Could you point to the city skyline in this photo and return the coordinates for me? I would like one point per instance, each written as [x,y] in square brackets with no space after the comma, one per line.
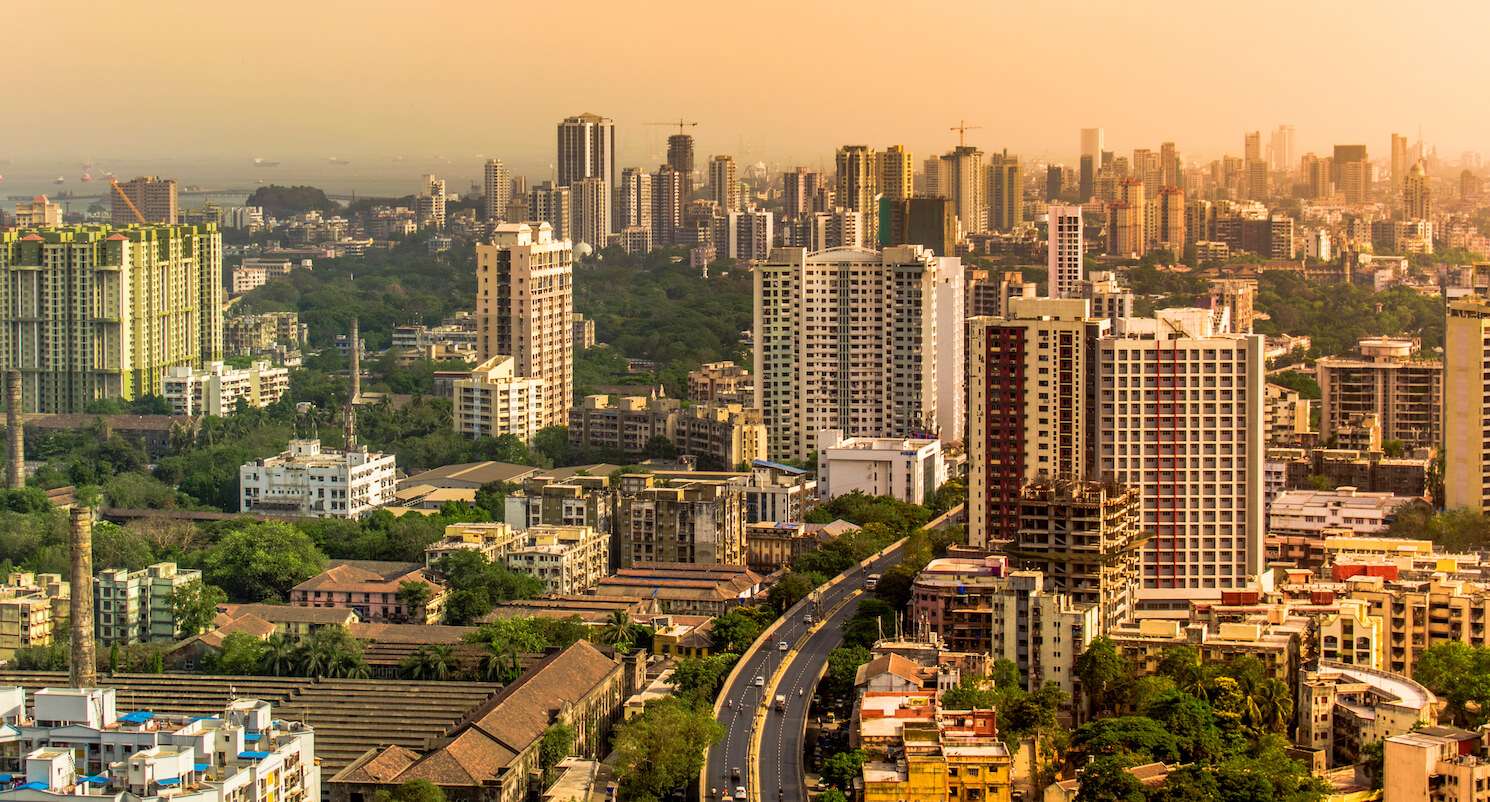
[438,70]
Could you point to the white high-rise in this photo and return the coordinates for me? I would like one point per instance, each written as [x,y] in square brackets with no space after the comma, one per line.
[849,339]
[1064,258]
[498,186]
[589,200]
[525,309]
[429,204]
[724,187]
[634,199]
[587,149]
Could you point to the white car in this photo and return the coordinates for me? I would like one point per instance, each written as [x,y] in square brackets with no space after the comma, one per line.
[781,646]
[739,792]
[760,682]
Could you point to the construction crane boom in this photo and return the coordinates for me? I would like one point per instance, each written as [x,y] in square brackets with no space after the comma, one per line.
[962,128]
[135,210]
[680,122]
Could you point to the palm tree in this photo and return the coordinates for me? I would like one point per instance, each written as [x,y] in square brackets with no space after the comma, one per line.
[1274,705]
[623,633]
[281,658]
[316,658]
[429,662]
[347,665]
[500,663]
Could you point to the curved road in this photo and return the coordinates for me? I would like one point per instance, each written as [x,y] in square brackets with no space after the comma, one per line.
[779,764]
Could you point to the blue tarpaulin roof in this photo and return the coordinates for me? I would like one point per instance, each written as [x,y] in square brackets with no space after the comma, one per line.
[168,781]
[137,717]
[253,755]
[95,779]
[250,736]
[33,787]
[201,766]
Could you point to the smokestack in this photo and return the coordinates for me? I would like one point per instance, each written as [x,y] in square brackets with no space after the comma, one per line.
[15,466]
[84,666]
[350,419]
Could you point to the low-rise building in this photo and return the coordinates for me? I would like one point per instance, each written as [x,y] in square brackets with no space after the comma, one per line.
[698,522]
[684,589]
[217,389]
[1276,645]
[1342,708]
[372,589]
[133,607]
[307,480]
[251,335]
[727,434]
[73,744]
[567,559]
[721,383]
[1310,512]
[1419,613]
[33,609]
[493,400]
[909,469]
[770,547]
[1435,764]
[492,540]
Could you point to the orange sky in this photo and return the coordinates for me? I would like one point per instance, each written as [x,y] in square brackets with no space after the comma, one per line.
[782,81]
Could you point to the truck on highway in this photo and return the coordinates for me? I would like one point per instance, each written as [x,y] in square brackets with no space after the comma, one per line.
[780,702]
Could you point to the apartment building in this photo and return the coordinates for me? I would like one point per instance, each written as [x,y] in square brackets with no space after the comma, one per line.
[33,609]
[146,199]
[1435,764]
[88,284]
[959,759]
[216,389]
[72,744]
[1313,512]
[1064,251]
[493,400]
[1418,613]
[1342,708]
[524,309]
[1372,472]
[132,607]
[1109,298]
[574,501]
[307,480]
[1287,417]
[567,559]
[697,522]
[1277,645]
[727,434]
[1084,538]
[1390,379]
[771,546]
[864,342]
[251,335]
[371,588]
[37,213]
[908,469]
[491,540]
[721,382]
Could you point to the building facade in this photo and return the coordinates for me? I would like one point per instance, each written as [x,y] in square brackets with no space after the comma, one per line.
[217,389]
[1386,378]
[492,401]
[306,480]
[524,308]
[133,607]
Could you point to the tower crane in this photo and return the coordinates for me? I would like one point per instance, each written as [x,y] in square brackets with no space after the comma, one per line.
[962,128]
[681,123]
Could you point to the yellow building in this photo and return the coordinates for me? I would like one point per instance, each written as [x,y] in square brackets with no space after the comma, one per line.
[936,765]
[1277,646]
[1418,615]
[32,609]
[1466,404]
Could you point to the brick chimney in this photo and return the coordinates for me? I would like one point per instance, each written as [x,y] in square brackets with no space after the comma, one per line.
[84,665]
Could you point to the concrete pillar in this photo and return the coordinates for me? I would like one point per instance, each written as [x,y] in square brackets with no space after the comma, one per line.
[84,664]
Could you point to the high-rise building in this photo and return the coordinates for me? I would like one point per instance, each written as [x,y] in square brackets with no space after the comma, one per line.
[750,234]
[1233,304]
[38,212]
[553,205]
[1466,407]
[680,158]
[1196,460]
[1148,168]
[498,185]
[1280,149]
[1030,375]
[1252,146]
[1091,145]
[669,196]
[724,187]
[864,342]
[839,228]
[960,179]
[104,312]
[1351,173]
[589,200]
[1084,536]
[858,184]
[1400,163]
[1005,193]
[1255,179]
[799,192]
[154,199]
[429,203]
[897,173]
[1171,174]
[634,199]
[587,149]
[1054,180]
[1318,176]
[525,307]
[1127,233]
[1171,223]
[1087,182]
[1064,252]
[1417,198]
[1389,379]
[927,222]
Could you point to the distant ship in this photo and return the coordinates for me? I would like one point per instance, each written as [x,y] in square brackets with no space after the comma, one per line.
[59,180]
[87,177]
[258,162]
[338,162]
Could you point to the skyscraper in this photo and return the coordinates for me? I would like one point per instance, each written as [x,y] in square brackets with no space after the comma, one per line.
[680,158]
[104,312]
[634,199]
[1351,173]
[667,205]
[799,192]
[525,309]
[1417,198]
[858,184]
[960,180]
[1171,208]
[1252,146]
[1005,193]
[429,203]
[724,188]
[589,200]
[1170,173]
[154,198]
[1400,163]
[897,173]
[587,149]
[1054,178]
[1091,161]
[859,341]
[498,186]
[1466,397]
[1064,252]
[1280,149]
[1087,179]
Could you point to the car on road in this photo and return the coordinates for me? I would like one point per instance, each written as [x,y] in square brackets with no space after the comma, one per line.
[760,681]
[808,620]
[872,582]
[780,702]
[781,646]
[739,792]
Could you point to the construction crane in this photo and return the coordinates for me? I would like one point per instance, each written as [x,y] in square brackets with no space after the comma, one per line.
[135,210]
[962,128]
[681,123]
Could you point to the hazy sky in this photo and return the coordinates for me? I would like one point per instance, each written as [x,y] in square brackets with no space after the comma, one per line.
[777,80]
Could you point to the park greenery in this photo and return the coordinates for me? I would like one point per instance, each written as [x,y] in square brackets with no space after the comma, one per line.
[283,201]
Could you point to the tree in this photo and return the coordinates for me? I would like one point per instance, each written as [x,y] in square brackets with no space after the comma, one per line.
[413,595]
[874,619]
[737,629]
[557,744]
[412,791]
[698,679]
[1104,674]
[790,589]
[331,651]
[1192,724]
[1107,779]
[843,667]
[1459,674]
[1191,783]
[261,561]
[662,750]
[194,606]
[553,443]
[429,662]
[622,633]
[280,657]
[971,692]
[1136,739]
[117,547]
[840,769]
[241,653]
